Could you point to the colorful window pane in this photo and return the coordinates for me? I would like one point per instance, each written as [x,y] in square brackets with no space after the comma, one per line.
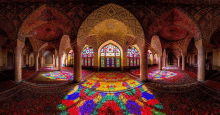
[82,61]
[107,62]
[138,61]
[87,56]
[117,61]
[133,56]
[134,61]
[110,50]
[110,56]
[148,57]
[89,61]
[154,59]
[113,61]
[102,61]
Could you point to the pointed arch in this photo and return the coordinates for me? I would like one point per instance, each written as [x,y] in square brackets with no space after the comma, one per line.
[43,15]
[155,43]
[110,11]
[177,17]
[106,43]
[64,43]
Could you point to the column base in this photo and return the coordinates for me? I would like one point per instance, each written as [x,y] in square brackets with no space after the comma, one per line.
[18,82]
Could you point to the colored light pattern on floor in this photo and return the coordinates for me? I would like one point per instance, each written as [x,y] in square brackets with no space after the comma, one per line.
[58,75]
[111,82]
[84,101]
[170,68]
[158,74]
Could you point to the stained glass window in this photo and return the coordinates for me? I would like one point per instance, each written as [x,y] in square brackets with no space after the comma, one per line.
[133,57]
[87,56]
[154,58]
[110,56]
[148,57]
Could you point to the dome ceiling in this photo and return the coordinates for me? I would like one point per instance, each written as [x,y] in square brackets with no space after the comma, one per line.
[47,32]
[173,32]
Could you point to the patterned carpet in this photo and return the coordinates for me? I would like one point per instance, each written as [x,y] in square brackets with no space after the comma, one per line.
[170,77]
[56,77]
[49,68]
[110,81]
[145,99]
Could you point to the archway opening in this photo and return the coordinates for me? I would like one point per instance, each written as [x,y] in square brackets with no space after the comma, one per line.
[110,57]
[133,57]
[87,57]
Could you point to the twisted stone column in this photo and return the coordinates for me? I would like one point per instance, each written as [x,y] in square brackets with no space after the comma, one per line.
[36,55]
[183,62]
[143,63]
[77,64]
[201,61]
[42,61]
[160,62]
[60,61]
[18,66]
[55,61]
[178,61]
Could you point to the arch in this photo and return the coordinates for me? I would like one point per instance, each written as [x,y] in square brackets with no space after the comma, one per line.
[110,11]
[8,28]
[43,46]
[214,40]
[64,43]
[43,15]
[133,57]
[106,43]
[178,17]
[87,56]
[155,43]
[210,29]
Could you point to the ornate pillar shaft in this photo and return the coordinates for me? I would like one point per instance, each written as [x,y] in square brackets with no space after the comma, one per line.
[183,62]
[125,65]
[55,61]
[201,60]
[178,61]
[143,64]
[36,55]
[42,61]
[60,61]
[66,59]
[201,64]
[77,64]
[95,59]
[160,62]
[18,66]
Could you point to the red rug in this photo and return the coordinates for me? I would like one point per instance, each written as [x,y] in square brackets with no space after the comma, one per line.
[7,85]
[212,84]
[191,74]
[29,74]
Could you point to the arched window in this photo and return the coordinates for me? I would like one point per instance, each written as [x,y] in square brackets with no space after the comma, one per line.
[87,57]
[110,56]
[155,59]
[148,57]
[71,57]
[133,57]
